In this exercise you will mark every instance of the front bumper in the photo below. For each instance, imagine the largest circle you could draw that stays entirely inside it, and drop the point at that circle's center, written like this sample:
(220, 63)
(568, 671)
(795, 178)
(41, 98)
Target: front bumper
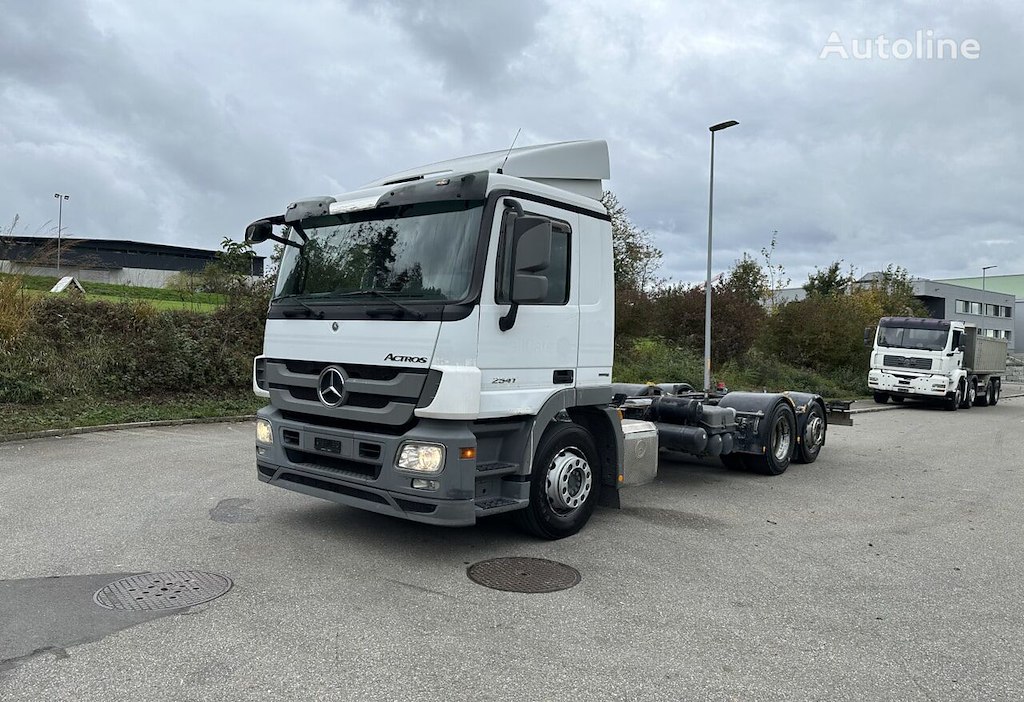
(357, 468)
(931, 386)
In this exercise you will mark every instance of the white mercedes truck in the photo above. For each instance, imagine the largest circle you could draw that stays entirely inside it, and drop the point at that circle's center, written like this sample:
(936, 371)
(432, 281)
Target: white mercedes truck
(935, 359)
(439, 348)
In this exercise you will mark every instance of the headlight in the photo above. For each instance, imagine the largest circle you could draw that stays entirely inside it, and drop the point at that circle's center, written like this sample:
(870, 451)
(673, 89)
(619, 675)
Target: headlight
(421, 458)
(264, 432)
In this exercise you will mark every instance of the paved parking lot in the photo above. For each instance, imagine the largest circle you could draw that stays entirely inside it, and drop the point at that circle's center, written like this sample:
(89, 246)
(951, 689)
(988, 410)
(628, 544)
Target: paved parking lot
(889, 569)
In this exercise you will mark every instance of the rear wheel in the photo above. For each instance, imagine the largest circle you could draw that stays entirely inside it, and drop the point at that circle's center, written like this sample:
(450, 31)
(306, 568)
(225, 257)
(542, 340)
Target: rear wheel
(779, 443)
(881, 397)
(984, 395)
(997, 386)
(813, 437)
(564, 485)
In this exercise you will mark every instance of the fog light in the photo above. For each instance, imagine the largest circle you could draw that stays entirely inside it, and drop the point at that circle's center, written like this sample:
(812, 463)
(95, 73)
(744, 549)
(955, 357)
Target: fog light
(421, 458)
(422, 484)
(264, 432)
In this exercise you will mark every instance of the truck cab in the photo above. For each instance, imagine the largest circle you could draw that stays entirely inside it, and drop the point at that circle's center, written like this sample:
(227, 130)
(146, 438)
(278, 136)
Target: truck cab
(434, 333)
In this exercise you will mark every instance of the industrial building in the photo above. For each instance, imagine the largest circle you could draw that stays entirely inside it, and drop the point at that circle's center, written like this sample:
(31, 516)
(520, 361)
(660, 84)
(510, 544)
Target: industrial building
(105, 260)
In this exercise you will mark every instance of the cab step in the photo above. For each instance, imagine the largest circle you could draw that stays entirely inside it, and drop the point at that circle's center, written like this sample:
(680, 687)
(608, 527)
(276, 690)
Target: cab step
(497, 505)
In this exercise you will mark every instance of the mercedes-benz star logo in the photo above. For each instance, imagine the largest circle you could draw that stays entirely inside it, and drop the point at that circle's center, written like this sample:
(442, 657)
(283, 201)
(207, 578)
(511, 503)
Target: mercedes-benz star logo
(331, 386)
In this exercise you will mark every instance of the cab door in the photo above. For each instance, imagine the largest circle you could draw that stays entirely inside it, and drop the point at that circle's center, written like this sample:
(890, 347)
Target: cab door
(536, 355)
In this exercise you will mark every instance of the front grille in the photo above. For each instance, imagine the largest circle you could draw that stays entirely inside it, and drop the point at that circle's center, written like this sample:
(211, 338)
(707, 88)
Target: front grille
(333, 464)
(907, 362)
(382, 396)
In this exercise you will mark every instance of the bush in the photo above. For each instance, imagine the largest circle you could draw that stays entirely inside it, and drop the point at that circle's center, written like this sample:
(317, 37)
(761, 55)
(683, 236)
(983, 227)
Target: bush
(71, 348)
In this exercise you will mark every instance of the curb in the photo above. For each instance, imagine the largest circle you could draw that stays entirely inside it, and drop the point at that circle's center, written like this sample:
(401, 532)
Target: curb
(70, 431)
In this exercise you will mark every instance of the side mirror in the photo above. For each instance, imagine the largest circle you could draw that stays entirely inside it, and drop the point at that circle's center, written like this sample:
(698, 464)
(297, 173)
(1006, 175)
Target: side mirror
(532, 237)
(869, 336)
(258, 232)
(961, 347)
(529, 288)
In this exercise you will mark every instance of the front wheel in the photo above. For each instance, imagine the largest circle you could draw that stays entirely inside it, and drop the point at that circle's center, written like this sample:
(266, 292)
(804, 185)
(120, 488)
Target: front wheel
(954, 401)
(881, 397)
(779, 442)
(970, 393)
(564, 484)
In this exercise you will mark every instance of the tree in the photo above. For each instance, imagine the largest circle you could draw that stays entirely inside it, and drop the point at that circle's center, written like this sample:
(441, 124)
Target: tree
(777, 280)
(635, 256)
(828, 282)
(230, 269)
(747, 280)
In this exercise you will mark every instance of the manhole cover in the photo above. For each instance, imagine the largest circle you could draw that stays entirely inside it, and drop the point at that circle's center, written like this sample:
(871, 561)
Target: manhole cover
(149, 591)
(523, 575)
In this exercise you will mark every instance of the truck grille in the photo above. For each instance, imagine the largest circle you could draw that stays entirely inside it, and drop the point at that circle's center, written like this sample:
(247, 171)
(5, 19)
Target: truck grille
(381, 395)
(907, 362)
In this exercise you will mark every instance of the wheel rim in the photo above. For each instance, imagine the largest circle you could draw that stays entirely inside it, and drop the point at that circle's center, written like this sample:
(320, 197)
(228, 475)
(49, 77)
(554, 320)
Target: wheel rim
(568, 481)
(814, 434)
(781, 439)
(972, 393)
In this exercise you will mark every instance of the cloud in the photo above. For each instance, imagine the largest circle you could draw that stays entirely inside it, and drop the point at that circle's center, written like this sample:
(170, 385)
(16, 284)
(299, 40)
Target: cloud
(180, 122)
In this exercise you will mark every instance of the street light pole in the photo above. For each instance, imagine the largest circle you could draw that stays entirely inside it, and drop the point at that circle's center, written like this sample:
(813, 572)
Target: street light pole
(60, 212)
(983, 269)
(707, 281)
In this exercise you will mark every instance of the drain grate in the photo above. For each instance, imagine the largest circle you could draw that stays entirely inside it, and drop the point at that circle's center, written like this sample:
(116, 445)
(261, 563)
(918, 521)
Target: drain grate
(170, 590)
(523, 575)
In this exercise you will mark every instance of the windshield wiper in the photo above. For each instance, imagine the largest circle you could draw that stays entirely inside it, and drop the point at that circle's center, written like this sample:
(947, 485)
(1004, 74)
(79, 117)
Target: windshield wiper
(306, 311)
(415, 314)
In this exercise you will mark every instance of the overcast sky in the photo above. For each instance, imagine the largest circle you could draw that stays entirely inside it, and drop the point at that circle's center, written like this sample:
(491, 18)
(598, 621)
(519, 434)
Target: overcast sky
(180, 122)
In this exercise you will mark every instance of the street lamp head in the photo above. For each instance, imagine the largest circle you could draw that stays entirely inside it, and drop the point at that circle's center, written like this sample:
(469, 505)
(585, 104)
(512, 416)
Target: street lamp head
(985, 268)
(723, 125)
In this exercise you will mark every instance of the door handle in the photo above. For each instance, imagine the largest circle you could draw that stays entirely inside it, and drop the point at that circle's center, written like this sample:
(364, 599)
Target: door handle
(561, 377)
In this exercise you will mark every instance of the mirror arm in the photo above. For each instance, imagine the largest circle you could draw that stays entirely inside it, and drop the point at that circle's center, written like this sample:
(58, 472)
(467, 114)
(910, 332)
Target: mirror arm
(286, 242)
(509, 320)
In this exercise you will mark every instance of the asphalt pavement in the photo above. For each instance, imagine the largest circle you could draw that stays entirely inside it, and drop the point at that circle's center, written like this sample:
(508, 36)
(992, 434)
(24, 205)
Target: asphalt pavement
(887, 570)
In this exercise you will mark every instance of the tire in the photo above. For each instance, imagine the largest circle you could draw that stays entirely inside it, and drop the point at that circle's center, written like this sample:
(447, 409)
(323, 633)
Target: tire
(565, 483)
(898, 399)
(970, 393)
(779, 443)
(983, 397)
(952, 404)
(813, 436)
(881, 397)
(997, 388)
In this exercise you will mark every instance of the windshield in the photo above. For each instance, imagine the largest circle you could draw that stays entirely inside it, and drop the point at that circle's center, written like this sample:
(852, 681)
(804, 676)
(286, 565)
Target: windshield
(415, 252)
(904, 338)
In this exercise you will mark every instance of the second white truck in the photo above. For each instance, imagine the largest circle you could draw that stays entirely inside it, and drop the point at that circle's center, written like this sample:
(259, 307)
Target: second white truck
(935, 359)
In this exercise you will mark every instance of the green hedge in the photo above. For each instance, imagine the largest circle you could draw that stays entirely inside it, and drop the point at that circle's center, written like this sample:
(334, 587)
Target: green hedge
(74, 348)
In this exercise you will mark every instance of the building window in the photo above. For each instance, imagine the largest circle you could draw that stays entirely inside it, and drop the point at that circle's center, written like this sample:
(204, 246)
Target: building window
(1006, 335)
(975, 308)
(1007, 311)
(961, 307)
(992, 310)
